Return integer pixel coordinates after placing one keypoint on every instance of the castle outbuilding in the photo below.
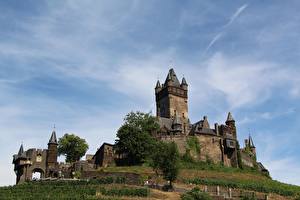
(36, 163)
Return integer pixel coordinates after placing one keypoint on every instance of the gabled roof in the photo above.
(172, 77)
(53, 139)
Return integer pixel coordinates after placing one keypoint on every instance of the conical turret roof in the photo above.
(21, 150)
(53, 139)
(229, 117)
(157, 84)
(183, 82)
(251, 144)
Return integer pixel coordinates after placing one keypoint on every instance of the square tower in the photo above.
(172, 99)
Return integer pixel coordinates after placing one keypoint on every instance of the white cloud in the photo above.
(235, 15)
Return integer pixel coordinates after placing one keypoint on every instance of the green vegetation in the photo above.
(82, 190)
(248, 198)
(195, 194)
(165, 159)
(134, 138)
(72, 146)
(192, 149)
(266, 186)
(138, 192)
(202, 165)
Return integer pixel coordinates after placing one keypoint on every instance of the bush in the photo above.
(195, 194)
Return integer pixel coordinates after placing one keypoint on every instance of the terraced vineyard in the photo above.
(95, 189)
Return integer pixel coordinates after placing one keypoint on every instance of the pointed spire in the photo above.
(53, 139)
(157, 84)
(21, 150)
(183, 82)
(229, 118)
(251, 144)
(172, 77)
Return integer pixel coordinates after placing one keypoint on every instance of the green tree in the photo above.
(135, 139)
(72, 146)
(165, 160)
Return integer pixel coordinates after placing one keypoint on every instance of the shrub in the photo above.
(195, 194)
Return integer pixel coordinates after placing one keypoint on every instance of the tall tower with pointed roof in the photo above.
(230, 122)
(52, 154)
(172, 99)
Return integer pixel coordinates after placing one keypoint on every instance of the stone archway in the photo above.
(37, 174)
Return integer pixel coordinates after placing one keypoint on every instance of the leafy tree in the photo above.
(135, 139)
(165, 160)
(72, 146)
(195, 194)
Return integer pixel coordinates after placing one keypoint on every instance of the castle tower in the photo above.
(251, 146)
(21, 164)
(230, 122)
(52, 155)
(171, 99)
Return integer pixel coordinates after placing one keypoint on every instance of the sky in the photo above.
(83, 65)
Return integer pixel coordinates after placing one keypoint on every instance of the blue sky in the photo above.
(83, 65)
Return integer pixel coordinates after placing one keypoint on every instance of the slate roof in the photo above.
(183, 82)
(53, 139)
(172, 77)
(229, 117)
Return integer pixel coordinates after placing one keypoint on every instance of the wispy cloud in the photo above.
(231, 20)
(236, 14)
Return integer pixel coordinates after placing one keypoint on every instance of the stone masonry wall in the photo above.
(210, 148)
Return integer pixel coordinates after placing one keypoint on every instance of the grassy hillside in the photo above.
(210, 174)
(189, 177)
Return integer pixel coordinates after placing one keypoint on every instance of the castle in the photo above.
(218, 145)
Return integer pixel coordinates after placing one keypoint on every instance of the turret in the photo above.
(183, 84)
(230, 122)
(21, 163)
(157, 87)
(52, 154)
(251, 145)
(21, 150)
